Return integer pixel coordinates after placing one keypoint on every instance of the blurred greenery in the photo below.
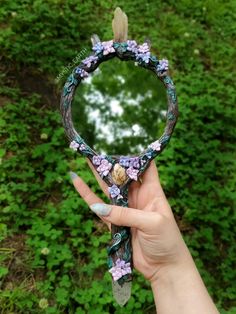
(53, 250)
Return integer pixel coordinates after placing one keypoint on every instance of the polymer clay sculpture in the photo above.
(119, 171)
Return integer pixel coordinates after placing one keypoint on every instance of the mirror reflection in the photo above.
(120, 108)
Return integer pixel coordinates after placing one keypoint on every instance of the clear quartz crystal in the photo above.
(121, 293)
(95, 39)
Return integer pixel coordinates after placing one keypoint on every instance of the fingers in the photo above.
(150, 174)
(101, 183)
(160, 205)
(130, 217)
(86, 193)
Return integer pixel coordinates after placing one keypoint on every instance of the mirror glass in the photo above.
(120, 108)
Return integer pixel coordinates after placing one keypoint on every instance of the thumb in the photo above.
(129, 217)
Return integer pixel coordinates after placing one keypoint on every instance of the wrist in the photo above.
(178, 288)
(177, 265)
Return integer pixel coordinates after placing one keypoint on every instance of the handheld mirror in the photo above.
(119, 171)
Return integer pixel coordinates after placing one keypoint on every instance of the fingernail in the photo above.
(73, 175)
(101, 209)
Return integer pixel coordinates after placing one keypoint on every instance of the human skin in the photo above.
(159, 251)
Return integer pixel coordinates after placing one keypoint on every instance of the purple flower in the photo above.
(97, 160)
(74, 145)
(132, 46)
(120, 269)
(82, 73)
(143, 53)
(155, 145)
(98, 47)
(163, 65)
(132, 173)
(108, 47)
(124, 161)
(144, 48)
(114, 191)
(88, 61)
(134, 162)
(143, 57)
(104, 167)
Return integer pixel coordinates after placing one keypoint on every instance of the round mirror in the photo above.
(120, 108)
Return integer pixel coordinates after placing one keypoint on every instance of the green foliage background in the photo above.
(39, 207)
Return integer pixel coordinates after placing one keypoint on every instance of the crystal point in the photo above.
(121, 293)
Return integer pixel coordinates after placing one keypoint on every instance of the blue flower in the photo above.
(163, 65)
(98, 47)
(114, 191)
(82, 73)
(143, 57)
(124, 161)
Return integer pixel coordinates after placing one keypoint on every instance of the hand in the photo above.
(159, 251)
(156, 239)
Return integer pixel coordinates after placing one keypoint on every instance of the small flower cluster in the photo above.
(132, 173)
(163, 65)
(155, 145)
(129, 162)
(104, 166)
(105, 47)
(114, 191)
(132, 163)
(143, 53)
(132, 46)
(89, 60)
(108, 47)
(120, 269)
(98, 47)
(82, 73)
(74, 145)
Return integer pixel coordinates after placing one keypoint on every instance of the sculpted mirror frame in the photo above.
(119, 171)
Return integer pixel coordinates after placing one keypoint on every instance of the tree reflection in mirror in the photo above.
(120, 108)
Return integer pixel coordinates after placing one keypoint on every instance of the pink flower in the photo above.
(132, 173)
(74, 145)
(144, 48)
(108, 47)
(104, 167)
(120, 269)
(155, 145)
(82, 147)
